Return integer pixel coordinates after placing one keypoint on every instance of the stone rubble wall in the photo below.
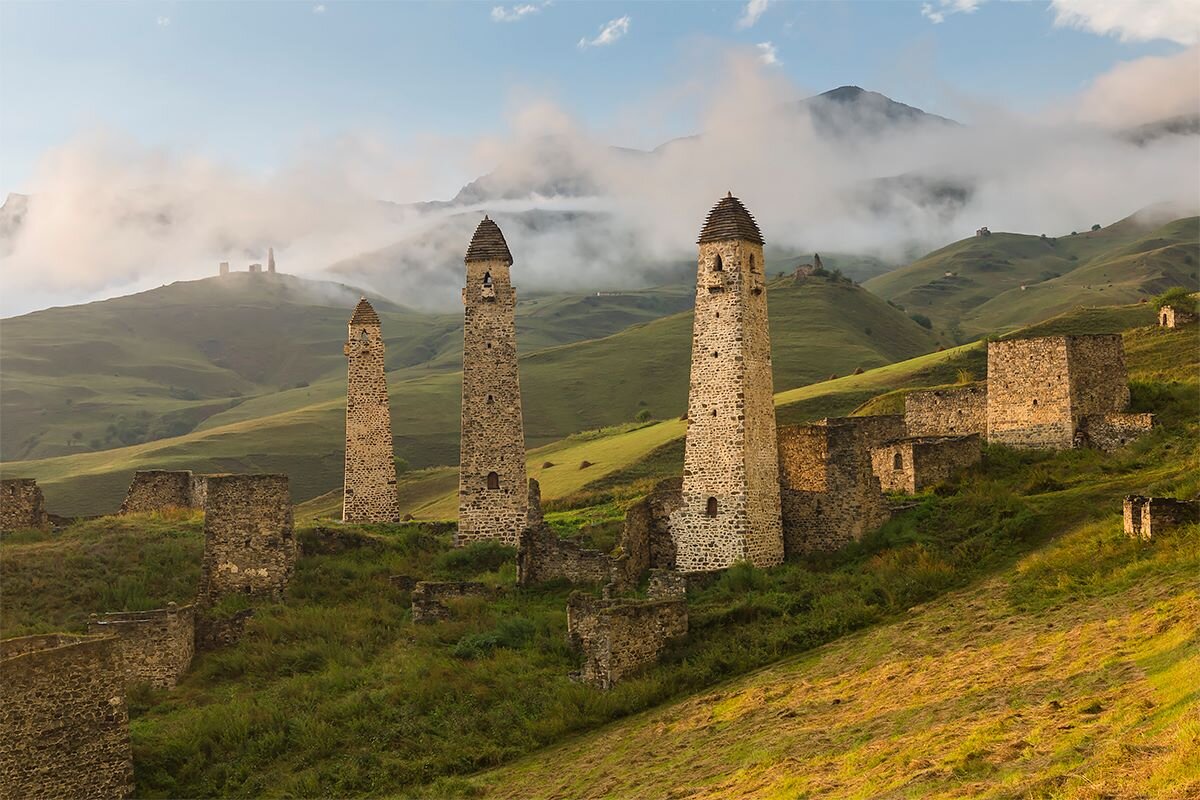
(22, 505)
(432, 600)
(947, 412)
(162, 489)
(156, 646)
(1147, 517)
(924, 461)
(64, 724)
(646, 537)
(493, 433)
(545, 556)
(369, 486)
(1029, 395)
(620, 637)
(666, 584)
(217, 631)
(1099, 379)
(1110, 432)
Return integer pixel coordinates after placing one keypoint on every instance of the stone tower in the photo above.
(730, 506)
(492, 495)
(369, 490)
(271, 259)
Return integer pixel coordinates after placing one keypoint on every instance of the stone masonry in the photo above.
(156, 646)
(1112, 431)
(22, 505)
(432, 601)
(1175, 317)
(492, 501)
(160, 490)
(1040, 390)
(830, 493)
(64, 726)
(947, 412)
(731, 508)
(1147, 517)
(369, 486)
(910, 465)
(620, 637)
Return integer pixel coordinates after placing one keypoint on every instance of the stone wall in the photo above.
(830, 494)
(156, 646)
(731, 506)
(1174, 317)
(492, 490)
(646, 538)
(1110, 432)
(947, 412)
(162, 489)
(22, 505)
(666, 584)
(432, 600)
(369, 485)
(620, 637)
(218, 630)
(1147, 517)
(64, 726)
(545, 556)
(910, 465)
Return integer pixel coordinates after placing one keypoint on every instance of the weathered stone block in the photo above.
(912, 464)
(1110, 432)
(249, 546)
(947, 412)
(1175, 317)
(162, 490)
(22, 505)
(620, 637)
(1147, 517)
(156, 646)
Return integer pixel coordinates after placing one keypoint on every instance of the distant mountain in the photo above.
(12, 214)
(852, 110)
(1183, 125)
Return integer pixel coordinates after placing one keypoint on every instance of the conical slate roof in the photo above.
(729, 219)
(364, 314)
(488, 243)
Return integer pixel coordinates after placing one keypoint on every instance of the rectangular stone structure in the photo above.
(22, 505)
(1039, 390)
(912, 464)
(953, 411)
(731, 507)
(249, 546)
(162, 489)
(1111, 432)
(492, 499)
(157, 646)
(620, 637)
(64, 723)
(1147, 517)
(1175, 317)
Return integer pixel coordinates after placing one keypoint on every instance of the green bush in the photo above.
(511, 632)
(1178, 297)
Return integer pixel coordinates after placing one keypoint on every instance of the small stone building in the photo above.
(912, 464)
(1040, 390)
(620, 637)
(22, 505)
(952, 411)
(1147, 517)
(162, 490)
(156, 646)
(492, 502)
(1175, 317)
(64, 724)
(369, 485)
(730, 508)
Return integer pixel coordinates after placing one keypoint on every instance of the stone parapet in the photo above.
(620, 637)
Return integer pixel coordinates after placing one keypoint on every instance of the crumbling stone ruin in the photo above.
(545, 556)
(432, 601)
(666, 584)
(646, 542)
(369, 486)
(912, 464)
(983, 231)
(731, 506)
(947, 412)
(1041, 390)
(830, 493)
(620, 637)
(1147, 517)
(64, 726)
(155, 646)
(1175, 317)
(22, 505)
(1110, 432)
(161, 490)
(492, 502)
(223, 269)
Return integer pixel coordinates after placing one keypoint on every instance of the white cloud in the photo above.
(515, 13)
(1174, 20)
(767, 53)
(750, 14)
(609, 32)
(937, 14)
(319, 8)
(1143, 90)
(162, 22)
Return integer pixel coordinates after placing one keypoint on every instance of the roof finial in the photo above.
(485, 217)
(728, 194)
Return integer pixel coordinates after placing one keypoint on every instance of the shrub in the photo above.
(1178, 297)
(1096, 227)
(643, 415)
(922, 320)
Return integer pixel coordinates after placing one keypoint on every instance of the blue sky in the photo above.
(248, 83)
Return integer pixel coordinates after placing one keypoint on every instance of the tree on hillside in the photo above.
(1178, 297)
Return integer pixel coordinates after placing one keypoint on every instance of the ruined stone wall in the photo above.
(1174, 317)
(910, 465)
(1110, 432)
(947, 412)
(666, 584)
(161, 489)
(1147, 517)
(156, 646)
(22, 505)
(620, 637)
(731, 507)
(544, 556)
(432, 600)
(64, 727)
(369, 487)
(249, 545)
(493, 434)
(1099, 379)
(1029, 394)
(646, 540)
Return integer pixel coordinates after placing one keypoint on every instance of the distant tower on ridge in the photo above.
(730, 506)
(369, 488)
(271, 259)
(223, 269)
(492, 493)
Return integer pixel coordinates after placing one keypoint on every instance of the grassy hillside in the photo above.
(817, 328)
(975, 285)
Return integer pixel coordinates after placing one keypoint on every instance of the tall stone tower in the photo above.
(730, 506)
(492, 495)
(271, 260)
(369, 489)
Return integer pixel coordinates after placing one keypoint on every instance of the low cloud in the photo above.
(750, 14)
(610, 32)
(1143, 90)
(937, 13)
(1174, 20)
(767, 54)
(515, 13)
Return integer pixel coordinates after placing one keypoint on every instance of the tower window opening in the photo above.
(490, 399)
(897, 462)
(1035, 402)
(493, 481)
(752, 266)
(364, 337)
(715, 354)
(487, 279)
(489, 345)
(717, 265)
(710, 510)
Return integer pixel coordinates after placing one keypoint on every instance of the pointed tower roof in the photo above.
(364, 314)
(729, 219)
(488, 243)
